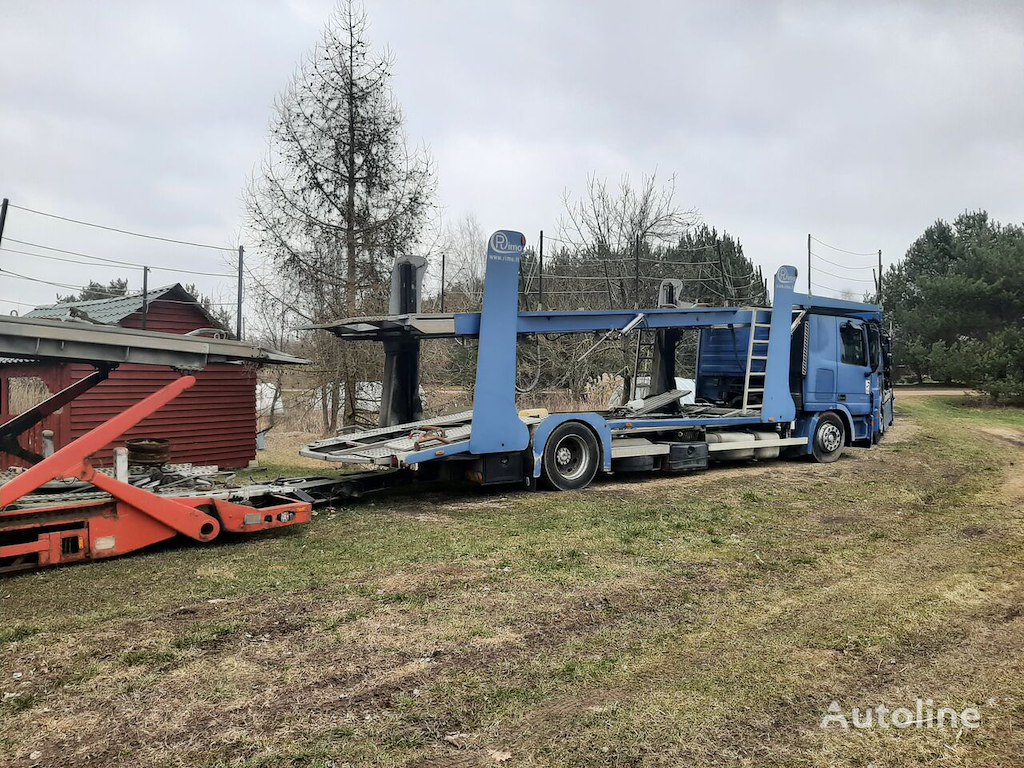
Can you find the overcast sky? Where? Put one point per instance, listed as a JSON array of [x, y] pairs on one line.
[[858, 122]]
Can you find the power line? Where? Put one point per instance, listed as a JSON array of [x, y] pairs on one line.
[[68, 261], [91, 289], [19, 303], [105, 293], [69, 253], [277, 298], [50, 282], [109, 260], [842, 250], [844, 277], [834, 290], [837, 264], [121, 231]]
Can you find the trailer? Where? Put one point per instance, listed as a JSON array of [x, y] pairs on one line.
[[63, 509], [808, 376]]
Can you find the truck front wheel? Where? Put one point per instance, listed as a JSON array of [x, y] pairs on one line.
[[571, 457], [829, 438]]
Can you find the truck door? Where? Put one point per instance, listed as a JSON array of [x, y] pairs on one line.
[[854, 372], [877, 364]]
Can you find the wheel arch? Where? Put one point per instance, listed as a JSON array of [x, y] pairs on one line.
[[811, 425], [592, 421]]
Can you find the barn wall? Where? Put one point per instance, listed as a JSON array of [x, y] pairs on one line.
[[52, 377], [168, 317], [214, 422]]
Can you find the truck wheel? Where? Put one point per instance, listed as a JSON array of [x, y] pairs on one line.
[[829, 438], [571, 457]]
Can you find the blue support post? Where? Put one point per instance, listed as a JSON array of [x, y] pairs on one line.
[[496, 424], [778, 401]]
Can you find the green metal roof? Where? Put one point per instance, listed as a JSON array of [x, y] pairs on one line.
[[115, 309]]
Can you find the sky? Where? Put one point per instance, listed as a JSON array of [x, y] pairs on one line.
[[860, 123]]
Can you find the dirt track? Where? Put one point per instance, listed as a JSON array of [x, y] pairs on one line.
[[934, 392]]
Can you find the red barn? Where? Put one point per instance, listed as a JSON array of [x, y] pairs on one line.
[[214, 422]]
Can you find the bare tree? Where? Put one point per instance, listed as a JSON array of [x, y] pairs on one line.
[[464, 245], [604, 236], [339, 193], [605, 228]]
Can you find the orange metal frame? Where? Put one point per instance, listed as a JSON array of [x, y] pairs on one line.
[[133, 518]]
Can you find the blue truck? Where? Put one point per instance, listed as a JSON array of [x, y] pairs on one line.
[[807, 377]]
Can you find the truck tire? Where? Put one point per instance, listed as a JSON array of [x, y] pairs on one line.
[[571, 457], [829, 438]]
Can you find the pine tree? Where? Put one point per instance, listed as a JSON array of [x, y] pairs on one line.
[[340, 193]]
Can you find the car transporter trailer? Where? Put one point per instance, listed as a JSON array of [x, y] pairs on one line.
[[808, 376]]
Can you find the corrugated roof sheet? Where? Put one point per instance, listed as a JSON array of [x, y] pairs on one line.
[[115, 309]]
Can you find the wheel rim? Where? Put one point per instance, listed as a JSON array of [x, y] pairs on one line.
[[830, 437], [572, 457]]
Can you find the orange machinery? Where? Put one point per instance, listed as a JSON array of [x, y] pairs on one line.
[[39, 528]]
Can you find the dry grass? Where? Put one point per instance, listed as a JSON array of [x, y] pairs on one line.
[[283, 450], [707, 620]]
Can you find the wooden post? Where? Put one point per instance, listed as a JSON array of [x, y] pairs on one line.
[[145, 295], [726, 292], [442, 280], [238, 302], [879, 275], [540, 273], [636, 276]]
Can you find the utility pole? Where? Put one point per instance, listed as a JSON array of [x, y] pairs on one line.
[[3, 218], [636, 276], [238, 304], [540, 273], [809, 291], [145, 295], [721, 268], [442, 281], [879, 275]]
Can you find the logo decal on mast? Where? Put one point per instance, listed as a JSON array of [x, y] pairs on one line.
[[506, 242]]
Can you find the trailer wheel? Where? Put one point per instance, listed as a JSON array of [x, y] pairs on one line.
[[571, 457], [829, 438]]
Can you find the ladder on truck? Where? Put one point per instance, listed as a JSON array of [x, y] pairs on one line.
[[643, 365], [755, 370], [755, 375]]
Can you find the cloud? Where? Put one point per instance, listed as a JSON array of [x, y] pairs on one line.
[[861, 122]]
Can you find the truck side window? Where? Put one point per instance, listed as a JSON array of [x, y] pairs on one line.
[[852, 337], [875, 347]]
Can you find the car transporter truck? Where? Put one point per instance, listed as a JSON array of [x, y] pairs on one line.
[[807, 377]]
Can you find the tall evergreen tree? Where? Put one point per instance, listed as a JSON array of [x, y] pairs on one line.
[[340, 192], [957, 304]]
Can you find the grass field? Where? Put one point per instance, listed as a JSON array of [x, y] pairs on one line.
[[705, 620]]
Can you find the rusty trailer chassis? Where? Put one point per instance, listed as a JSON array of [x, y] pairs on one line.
[[62, 509]]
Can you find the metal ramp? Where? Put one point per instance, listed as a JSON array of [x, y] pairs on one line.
[[389, 446], [653, 404], [385, 444]]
